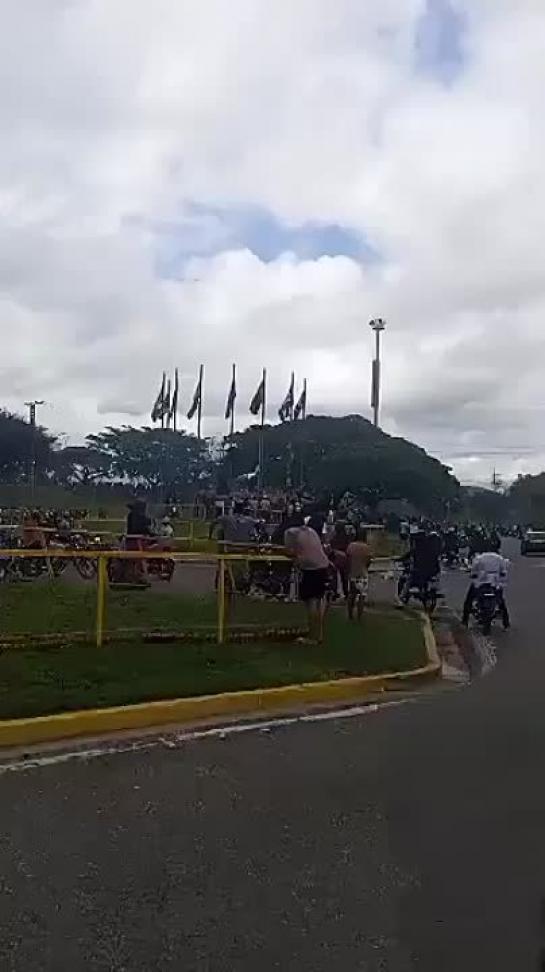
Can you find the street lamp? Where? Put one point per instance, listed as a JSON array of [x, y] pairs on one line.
[[378, 324], [32, 416]]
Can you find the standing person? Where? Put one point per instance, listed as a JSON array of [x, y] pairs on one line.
[[359, 559], [304, 546], [138, 524], [137, 530], [32, 533], [166, 530], [236, 528], [339, 545], [237, 532]]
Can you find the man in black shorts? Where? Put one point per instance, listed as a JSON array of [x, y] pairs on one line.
[[304, 546]]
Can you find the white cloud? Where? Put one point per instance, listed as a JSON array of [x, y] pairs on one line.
[[120, 116]]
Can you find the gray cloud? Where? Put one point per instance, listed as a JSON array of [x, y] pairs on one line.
[[132, 117]]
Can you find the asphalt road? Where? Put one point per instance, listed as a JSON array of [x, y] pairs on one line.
[[409, 838]]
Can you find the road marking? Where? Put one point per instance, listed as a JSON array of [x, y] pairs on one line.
[[176, 739]]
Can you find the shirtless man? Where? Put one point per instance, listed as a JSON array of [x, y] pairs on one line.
[[359, 559], [304, 546]]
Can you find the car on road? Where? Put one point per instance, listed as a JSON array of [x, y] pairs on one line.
[[533, 542]]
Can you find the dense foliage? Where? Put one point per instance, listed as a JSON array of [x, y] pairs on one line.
[[338, 454], [19, 445], [326, 454], [527, 499], [148, 457]]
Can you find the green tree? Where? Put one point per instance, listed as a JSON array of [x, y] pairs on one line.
[[19, 442], [149, 457], [485, 505], [338, 454], [527, 499], [78, 466]]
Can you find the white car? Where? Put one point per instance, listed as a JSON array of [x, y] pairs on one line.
[[533, 542]]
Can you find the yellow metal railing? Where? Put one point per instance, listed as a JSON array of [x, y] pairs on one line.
[[222, 560], [103, 556]]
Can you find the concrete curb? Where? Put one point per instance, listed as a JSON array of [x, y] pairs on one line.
[[94, 722]]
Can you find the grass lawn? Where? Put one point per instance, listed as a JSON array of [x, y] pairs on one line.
[[51, 607], [73, 676]]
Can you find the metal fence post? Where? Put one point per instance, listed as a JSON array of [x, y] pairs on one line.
[[221, 603], [102, 579]]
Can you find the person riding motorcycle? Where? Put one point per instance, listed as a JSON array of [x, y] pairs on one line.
[[489, 569], [451, 545], [421, 563]]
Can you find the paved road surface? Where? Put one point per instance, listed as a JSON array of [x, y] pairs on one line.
[[412, 838]]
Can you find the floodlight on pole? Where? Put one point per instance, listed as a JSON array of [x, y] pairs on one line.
[[32, 406], [378, 325]]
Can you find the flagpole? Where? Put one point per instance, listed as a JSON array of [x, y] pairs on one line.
[[292, 406], [302, 450], [169, 403], [261, 433], [232, 426], [175, 410], [164, 388], [199, 407]]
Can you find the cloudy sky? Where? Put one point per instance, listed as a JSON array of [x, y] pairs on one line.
[[196, 180]]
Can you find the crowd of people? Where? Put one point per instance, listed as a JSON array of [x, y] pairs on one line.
[[331, 555], [324, 539]]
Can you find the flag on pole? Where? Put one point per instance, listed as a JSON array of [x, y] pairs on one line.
[[300, 409], [231, 397], [166, 404], [157, 410], [196, 397], [174, 402], [259, 397], [285, 411]]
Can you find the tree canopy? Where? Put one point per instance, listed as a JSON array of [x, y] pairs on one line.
[[486, 505], [326, 454], [19, 444], [349, 453], [147, 457], [527, 499]]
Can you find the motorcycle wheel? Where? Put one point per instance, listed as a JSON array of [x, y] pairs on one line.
[[58, 566], [430, 603], [114, 571], [486, 626], [31, 568], [86, 568]]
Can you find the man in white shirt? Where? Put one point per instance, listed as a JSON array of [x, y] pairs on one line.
[[488, 569]]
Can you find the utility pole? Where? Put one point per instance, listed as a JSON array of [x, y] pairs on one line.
[[32, 463], [378, 325]]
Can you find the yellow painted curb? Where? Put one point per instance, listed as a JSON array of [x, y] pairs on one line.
[[85, 722]]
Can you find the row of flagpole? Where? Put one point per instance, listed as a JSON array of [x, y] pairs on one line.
[[165, 407]]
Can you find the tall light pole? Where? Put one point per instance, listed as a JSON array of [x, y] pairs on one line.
[[377, 325], [32, 465]]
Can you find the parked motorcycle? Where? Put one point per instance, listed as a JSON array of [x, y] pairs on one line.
[[86, 566], [123, 570]]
